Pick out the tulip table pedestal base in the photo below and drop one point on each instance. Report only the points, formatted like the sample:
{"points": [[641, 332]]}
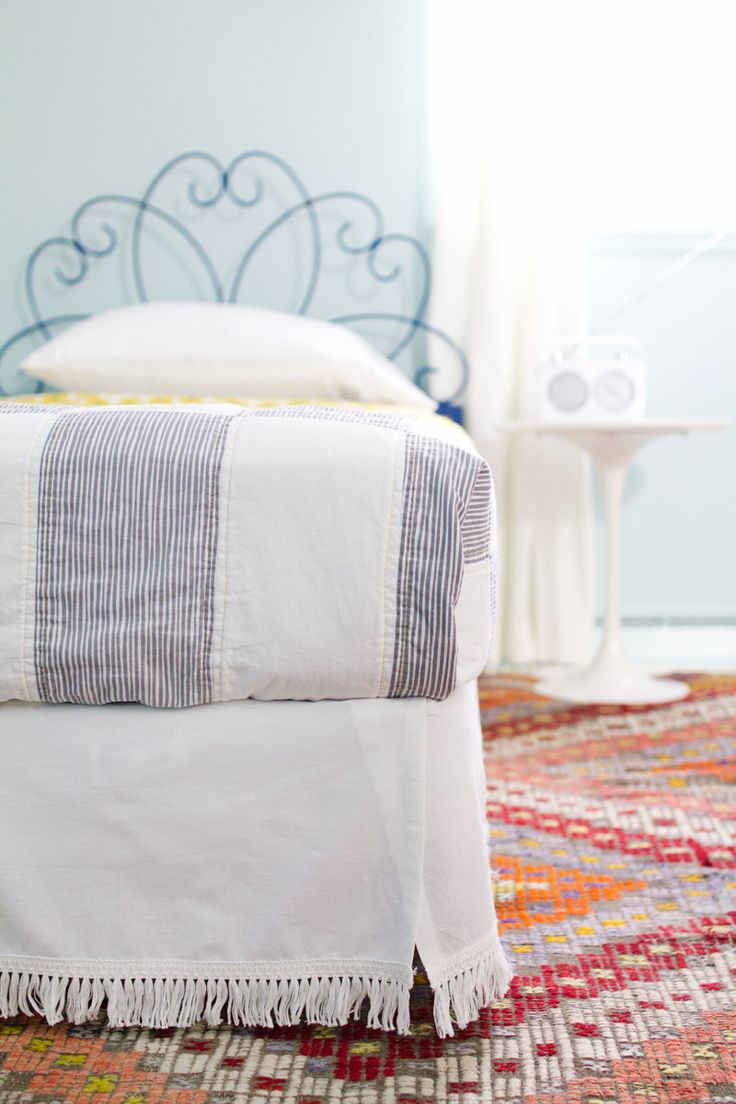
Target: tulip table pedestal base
{"points": [[612, 677]]}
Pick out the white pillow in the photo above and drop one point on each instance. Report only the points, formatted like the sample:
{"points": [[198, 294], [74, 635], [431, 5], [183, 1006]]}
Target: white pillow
{"points": [[219, 349]]}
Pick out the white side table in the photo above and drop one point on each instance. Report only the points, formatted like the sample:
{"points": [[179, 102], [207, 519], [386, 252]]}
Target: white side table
{"points": [[612, 677]]}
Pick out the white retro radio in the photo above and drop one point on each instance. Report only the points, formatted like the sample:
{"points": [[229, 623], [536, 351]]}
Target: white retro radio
{"points": [[592, 379]]}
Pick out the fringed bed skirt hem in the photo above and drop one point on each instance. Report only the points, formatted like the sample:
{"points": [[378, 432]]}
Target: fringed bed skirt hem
{"points": [[277, 994], [159, 1002], [470, 983]]}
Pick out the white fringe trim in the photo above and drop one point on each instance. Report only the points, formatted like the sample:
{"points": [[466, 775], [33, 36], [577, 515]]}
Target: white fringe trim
{"points": [[463, 987], [182, 1002]]}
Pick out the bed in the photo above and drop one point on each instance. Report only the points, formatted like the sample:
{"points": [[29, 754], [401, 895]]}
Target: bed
{"points": [[247, 582]]}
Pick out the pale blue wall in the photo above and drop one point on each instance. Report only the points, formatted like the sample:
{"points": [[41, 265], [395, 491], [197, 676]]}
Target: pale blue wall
{"points": [[99, 93], [679, 517]]}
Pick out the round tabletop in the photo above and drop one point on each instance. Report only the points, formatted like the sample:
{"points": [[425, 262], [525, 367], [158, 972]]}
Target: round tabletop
{"points": [[648, 426]]}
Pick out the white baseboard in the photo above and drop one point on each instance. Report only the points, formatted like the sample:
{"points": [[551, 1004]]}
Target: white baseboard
{"points": [[662, 649], [683, 647]]}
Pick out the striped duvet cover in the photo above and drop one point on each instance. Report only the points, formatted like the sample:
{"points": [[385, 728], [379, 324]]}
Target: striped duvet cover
{"points": [[175, 555]]}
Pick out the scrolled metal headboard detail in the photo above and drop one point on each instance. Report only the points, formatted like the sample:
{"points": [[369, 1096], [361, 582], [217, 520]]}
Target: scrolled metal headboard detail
{"points": [[327, 223]]}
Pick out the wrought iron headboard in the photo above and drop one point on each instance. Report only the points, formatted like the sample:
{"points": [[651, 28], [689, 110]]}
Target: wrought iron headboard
{"points": [[60, 265]]}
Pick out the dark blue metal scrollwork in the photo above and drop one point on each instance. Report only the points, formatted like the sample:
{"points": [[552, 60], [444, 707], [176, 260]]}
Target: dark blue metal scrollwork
{"points": [[92, 237]]}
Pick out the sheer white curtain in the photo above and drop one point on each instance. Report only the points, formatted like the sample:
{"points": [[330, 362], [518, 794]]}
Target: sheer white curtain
{"points": [[509, 260]]}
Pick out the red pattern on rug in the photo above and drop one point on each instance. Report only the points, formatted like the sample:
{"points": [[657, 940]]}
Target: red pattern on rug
{"points": [[614, 836]]}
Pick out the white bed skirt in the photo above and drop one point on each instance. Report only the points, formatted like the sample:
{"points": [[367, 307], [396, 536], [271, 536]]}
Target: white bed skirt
{"points": [[252, 862]]}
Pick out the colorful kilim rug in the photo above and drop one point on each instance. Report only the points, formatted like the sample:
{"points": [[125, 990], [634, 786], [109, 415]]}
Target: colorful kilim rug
{"points": [[614, 834]]}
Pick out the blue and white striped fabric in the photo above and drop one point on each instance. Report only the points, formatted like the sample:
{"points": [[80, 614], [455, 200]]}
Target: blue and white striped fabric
{"points": [[188, 555], [128, 514]]}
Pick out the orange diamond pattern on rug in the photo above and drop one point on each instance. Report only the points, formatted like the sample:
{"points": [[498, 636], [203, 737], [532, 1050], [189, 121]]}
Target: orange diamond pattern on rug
{"points": [[533, 893], [614, 836]]}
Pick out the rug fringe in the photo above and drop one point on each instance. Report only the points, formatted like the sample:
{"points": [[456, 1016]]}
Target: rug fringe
{"points": [[182, 1002], [471, 985]]}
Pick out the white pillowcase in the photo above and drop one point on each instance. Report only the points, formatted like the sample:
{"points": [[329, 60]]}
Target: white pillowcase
{"points": [[219, 349]]}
